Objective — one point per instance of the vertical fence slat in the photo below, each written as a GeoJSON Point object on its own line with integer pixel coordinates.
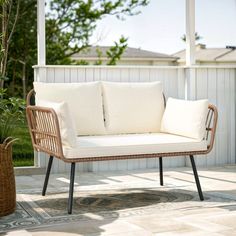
{"type": "Point", "coordinates": [228, 116]}
{"type": "Point", "coordinates": [50, 76]}
{"type": "Point", "coordinates": [212, 96]}
{"type": "Point", "coordinates": [81, 75]}
{"type": "Point", "coordinates": [89, 74]}
{"type": "Point", "coordinates": [181, 83]}
{"type": "Point", "coordinates": [221, 132]}
{"type": "Point", "coordinates": [167, 91]}
{"type": "Point", "coordinates": [73, 75]}
{"type": "Point", "coordinates": [67, 75]}
{"type": "Point", "coordinates": [201, 88]}
{"type": "Point", "coordinates": [232, 115]}
{"type": "Point", "coordinates": [59, 75]}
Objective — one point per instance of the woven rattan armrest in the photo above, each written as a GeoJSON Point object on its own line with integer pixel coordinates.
{"type": "Point", "coordinates": [44, 130]}
{"type": "Point", "coordinates": [211, 123]}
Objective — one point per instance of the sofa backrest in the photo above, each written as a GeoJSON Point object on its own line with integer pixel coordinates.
{"type": "Point", "coordinates": [133, 107]}
{"type": "Point", "coordinates": [84, 101]}
{"type": "Point", "coordinates": [108, 107]}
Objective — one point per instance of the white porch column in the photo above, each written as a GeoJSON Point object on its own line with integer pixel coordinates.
{"type": "Point", "coordinates": [41, 47]}
{"type": "Point", "coordinates": [190, 32]}
{"type": "Point", "coordinates": [190, 72]}
{"type": "Point", "coordinates": [190, 80]}
{"type": "Point", "coordinates": [41, 41]}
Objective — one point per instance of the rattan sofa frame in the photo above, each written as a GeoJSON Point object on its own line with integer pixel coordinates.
{"type": "Point", "coordinates": [43, 125]}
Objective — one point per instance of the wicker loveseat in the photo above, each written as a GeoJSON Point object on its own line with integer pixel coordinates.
{"type": "Point", "coordinates": [100, 121]}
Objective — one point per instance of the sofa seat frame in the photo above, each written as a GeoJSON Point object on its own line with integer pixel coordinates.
{"type": "Point", "coordinates": [45, 135]}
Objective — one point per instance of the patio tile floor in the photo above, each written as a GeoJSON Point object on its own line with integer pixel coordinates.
{"type": "Point", "coordinates": [193, 219]}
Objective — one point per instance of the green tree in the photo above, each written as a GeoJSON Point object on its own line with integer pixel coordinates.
{"type": "Point", "coordinates": [23, 49]}
{"type": "Point", "coordinates": [9, 14]}
{"type": "Point", "coordinates": [115, 52]}
{"type": "Point", "coordinates": [70, 24]}
{"type": "Point", "coordinates": [18, 43]}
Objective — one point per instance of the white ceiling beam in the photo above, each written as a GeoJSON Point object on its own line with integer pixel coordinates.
{"type": "Point", "coordinates": [190, 33]}
{"type": "Point", "coordinates": [41, 41]}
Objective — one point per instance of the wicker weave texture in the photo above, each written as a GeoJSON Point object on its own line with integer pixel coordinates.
{"type": "Point", "coordinates": [44, 130]}
{"type": "Point", "coordinates": [7, 181]}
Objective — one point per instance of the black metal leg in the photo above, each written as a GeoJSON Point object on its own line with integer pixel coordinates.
{"type": "Point", "coordinates": [47, 176]}
{"type": "Point", "coordinates": [161, 171]}
{"type": "Point", "coordinates": [196, 178]}
{"type": "Point", "coordinates": [71, 191]}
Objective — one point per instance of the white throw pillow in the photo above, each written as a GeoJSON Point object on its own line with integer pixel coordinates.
{"type": "Point", "coordinates": [66, 123]}
{"type": "Point", "coordinates": [186, 118]}
{"type": "Point", "coordinates": [84, 101]}
{"type": "Point", "coordinates": [133, 107]}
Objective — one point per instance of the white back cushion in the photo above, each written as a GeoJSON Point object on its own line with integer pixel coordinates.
{"type": "Point", "coordinates": [66, 123]}
{"type": "Point", "coordinates": [84, 101]}
{"type": "Point", "coordinates": [133, 107]}
{"type": "Point", "coordinates": [186, 118]}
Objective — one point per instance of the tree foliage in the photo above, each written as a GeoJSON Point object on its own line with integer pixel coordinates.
{"type": "Point", "coordinates": [23, 49]}
{"type": "Point", "coordinates": [70, 24]}
{"type": "Point", "coordinates": [9, 15]}
{"type": "Point", "coordinates": [18, 43]}
{"type": "Point", "coordinates": [69, 27]}
{"type": "Point", "coordinates": [11, 115]}
{"type": "Point", "coordinates": [115, 52]}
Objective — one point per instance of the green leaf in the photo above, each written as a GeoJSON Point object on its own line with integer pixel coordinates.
{"type": "Point", "coordinates": [5, 78]}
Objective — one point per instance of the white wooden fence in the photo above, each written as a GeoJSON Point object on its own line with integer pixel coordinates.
{"type": "Point", "coordinates": [215, 83]}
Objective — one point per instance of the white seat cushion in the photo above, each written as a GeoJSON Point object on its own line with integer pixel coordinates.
{"type": "Point", "coordinates": [112, 145]}
{"type": "Point", "coordinates": [133, 107]}
{"type": "Point", "coordinates": [84, 101]}
{"type": "Point", "coordinates": [186, 118]}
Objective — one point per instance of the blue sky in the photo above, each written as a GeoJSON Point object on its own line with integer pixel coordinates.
{"type": "Point", "coordinates": [162, 23]}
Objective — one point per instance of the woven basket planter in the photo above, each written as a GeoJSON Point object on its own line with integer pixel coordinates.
{"type": "Point", "coordinates": [7, 181]}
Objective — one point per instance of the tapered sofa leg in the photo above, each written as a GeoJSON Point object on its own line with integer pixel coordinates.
{"type": "Point", "coordinates": [196, 178]}
{"type": "Point", "coordinates": [47, 176]}
{"type": "Point", "coordinates": [161, 171]}
{"type": "Point", "coordinates": [71, 190]}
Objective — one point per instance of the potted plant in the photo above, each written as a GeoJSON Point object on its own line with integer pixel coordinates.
{"type": "Point", "coordinates": [11, 115]}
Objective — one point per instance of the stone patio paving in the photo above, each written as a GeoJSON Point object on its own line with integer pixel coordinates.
{"type": "Point", "coordinates": [182, 215]}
